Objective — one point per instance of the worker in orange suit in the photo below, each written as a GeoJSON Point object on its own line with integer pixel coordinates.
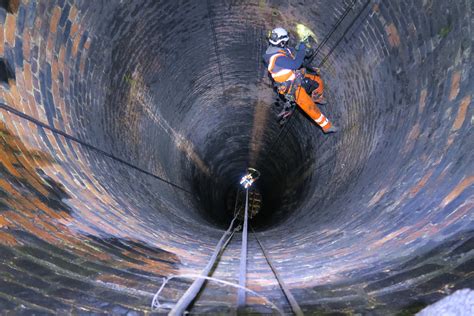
{"type": "Point", "coordinates": [301, 85]}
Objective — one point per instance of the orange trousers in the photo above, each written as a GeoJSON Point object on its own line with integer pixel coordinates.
{"type": "Point", "coordinates": [306, 103]}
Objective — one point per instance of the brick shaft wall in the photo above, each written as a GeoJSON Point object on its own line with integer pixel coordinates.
{"type": "Point", "coordinates": [374, 219]}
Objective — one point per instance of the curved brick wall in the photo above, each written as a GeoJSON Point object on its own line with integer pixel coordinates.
{"type": "Point", "coordinates": [377, 218]}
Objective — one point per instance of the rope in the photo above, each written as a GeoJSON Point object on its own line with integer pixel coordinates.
{"type": "Point", "coordinates": [335, 27]}
{"type": "Point", "coordinates": [216, 47]}
{"type": "Point", "coordinates": [194, 289]}
{"type": "Point", "coordinates": [156, 303]}
{"type": "Point", "coordinates": [318, 49]}
{"type": "Point", "coordinates": [236, 201]}
{"type": "Point", "coordinates": [291, 299]}
{"type": "Point", "coordinates": [83, 143]}
{"type": "Point", "coordinates": [344, 34]}
{"type": "Point", "coordinates": [285, 128]}
{"type": "Point", "coordinates": [243, 256]}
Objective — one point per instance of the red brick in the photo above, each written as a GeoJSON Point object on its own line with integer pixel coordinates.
{"type": "Point", "coordinates": [33, 106]}
{"type": "Point", "coordinates": [54, 70]}
{"type": "Point", "coordinates": [392, 33]}
{"type": "Point", "coordinates": [1, 40]}
{"type": "Point", "coordinates": [55, 91]}
{"type": "Point", "coordinates": [454, 85]}
{"type": "Point", "coordinates": [75, 45]}
{"type": "Point", "coordinates": [74, 29]}
{"type": "Point", "coordinates": [15, 95]}
{"type": "Point", "coordinates": [7, 239]}
{"type": "Point", "coordinates": [54, 19]}
{"type": "Point", "coordinates": [8, 96]}
{"type": "Point", "coordinates": [10, 29]}
{"type": "Point", "coordinates": [422, 103]}
{"type": "Point", "coordinates": [461, 116]}
{"type": "Point", "coordinates": [49, 47]}
{"type": "Point", "coordinates": [463, 185]}
{"type": "Point", "coordinates": [62, 55]}
{"type": "Point", "coordinates": [72, 13]}
{"type": "Point", "coordinates": [87, 44]}
{"type": "Point", "coordinates": [27, 75]}
{"type": "Point", "coordinates": [26, 45]}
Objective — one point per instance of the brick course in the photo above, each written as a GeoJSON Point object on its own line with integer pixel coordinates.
{"type": "Point", "coordinates": [374, 219]}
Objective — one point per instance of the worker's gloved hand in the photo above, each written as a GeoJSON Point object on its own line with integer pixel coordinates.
{"type": "Point", "coordinates": [308, 41]}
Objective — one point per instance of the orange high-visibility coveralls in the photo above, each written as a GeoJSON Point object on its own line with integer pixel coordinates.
{"type": "Point", "coordinates": [306, 103]}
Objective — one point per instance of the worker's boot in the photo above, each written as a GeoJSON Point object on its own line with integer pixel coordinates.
{"type": "Point", "coordinates": [332, 129]}
{"type": "Point", "coordinates": [318, 98]}
{"type": "Point", "coordinates": [316, 70]}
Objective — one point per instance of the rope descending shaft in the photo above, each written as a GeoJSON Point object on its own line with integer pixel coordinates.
{"type": "Point", "coordinates": [291, 299]}
{"type": "Point", "coordinates": [194, 289]}
{"type": "Point", "coordinates": [85, 144]}
{"type": "Point", "coordinates": [241, 295]}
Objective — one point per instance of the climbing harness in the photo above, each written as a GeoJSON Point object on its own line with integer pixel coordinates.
{"type": "Point", "coordinates": [316, 52]}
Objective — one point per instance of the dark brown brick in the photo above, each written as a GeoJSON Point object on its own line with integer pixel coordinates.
{"type": "Point", "coordinates": [13, 6]}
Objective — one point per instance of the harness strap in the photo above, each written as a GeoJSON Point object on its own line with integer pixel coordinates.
{"type": "Point", "coordinates": [271, 63]}
{"type": "Point", "coordinates": [282, 75]}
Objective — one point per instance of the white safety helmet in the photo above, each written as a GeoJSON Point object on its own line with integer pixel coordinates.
{"type": "Point", "coordinates": [278, 36]}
